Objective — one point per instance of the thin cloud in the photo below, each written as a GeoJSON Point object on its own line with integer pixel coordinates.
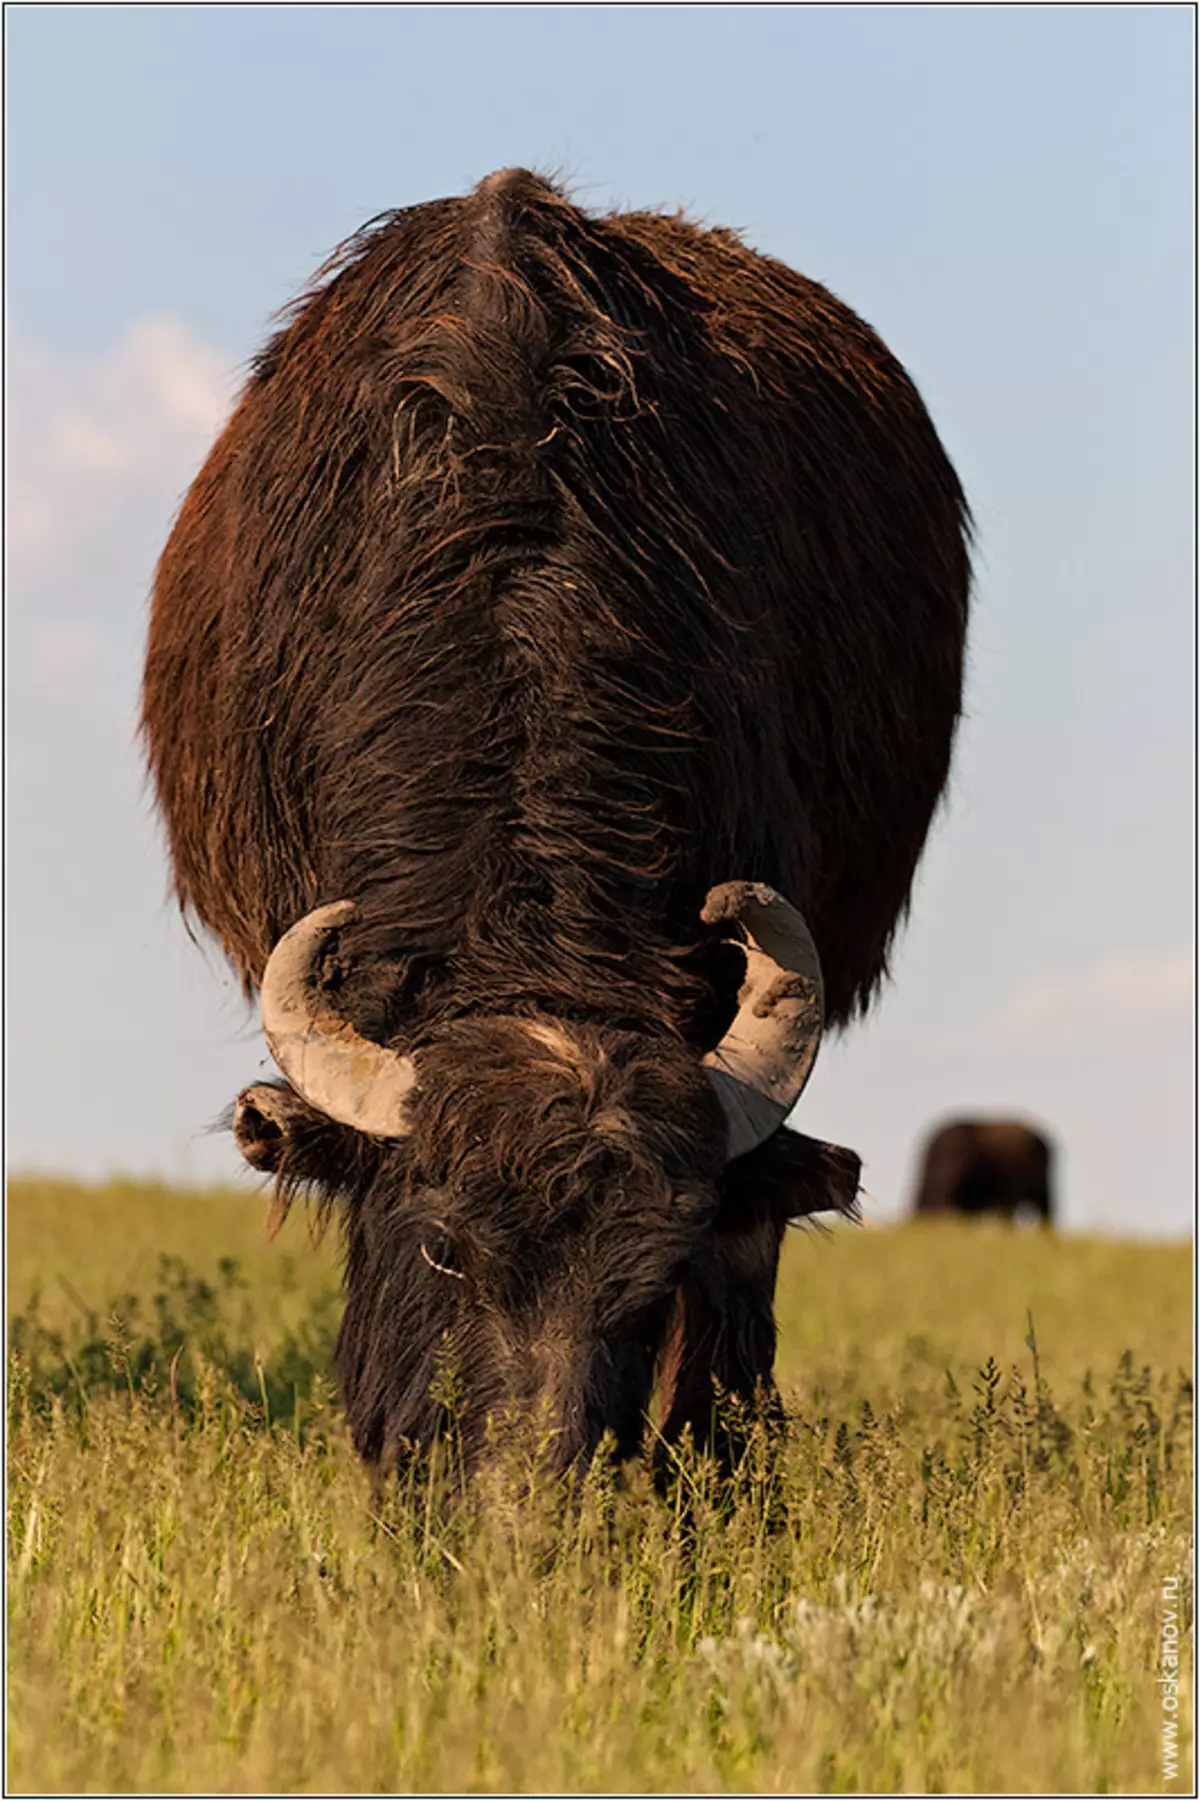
{"type": "Point", "coordinates": [91, 437]}
{"type": "Point", "coordinates": [1121, 991]}
{"type": "Point", "coordinates": [100, 450]}
{"type": "Point", "coordinates": [67, 649]}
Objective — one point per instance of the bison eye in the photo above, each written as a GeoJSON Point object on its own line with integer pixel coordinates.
{"type": "Point", "coordinates": [437, 1249]}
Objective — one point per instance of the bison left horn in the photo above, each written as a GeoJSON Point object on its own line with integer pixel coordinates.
{"type": "Point", "coordinates": [760, 1067]}
{"type": "Point", "coordinates": [334, 1068]}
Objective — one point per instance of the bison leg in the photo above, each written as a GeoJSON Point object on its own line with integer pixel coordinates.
{"type": "Point", "coordinates": [722, 1338]}
{"type": "Point", "coordinates": [722, 1331]}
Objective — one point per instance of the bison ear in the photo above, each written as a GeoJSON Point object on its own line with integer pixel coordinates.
{"type": "Point", "coordinates": [790, 1177]}
{"type": "Point", "coordinates": [272, 1125]}
{"type": "Point", "coordinates": [824, 1178]}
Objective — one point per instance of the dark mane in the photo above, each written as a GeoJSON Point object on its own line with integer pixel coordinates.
{"type": "Point", "coordinates": [564, 674]}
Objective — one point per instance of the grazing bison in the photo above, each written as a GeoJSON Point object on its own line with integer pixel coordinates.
{"type": "Point", "coordinates": [986, 1166]}
{"type": "Point", "coordinates": [552, 674]}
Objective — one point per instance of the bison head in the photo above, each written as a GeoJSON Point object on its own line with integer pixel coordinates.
{"type": "Point", "coordinates": [524, 1196]}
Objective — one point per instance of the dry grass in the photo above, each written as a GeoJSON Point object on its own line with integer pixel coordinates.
{"type": "Point", "coordinates": [947, 1576]}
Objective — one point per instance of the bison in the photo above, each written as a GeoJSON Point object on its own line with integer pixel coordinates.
{"type": "Point", "coordinates": [551, 676]}
{"type": "Point", "coordinates": [998, 1166]}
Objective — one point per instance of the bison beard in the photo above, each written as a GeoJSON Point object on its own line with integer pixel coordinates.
{"type": "Point", "coordinates": [552, 572]}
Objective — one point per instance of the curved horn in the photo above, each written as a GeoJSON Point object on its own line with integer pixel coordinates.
{"type": "Point", "coordinates": [336, 1070]}
{"type": "Point", "coordinates": [761, 1065]}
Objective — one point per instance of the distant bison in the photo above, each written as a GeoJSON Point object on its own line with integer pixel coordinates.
{"type": "Point", "coordinates": [998, 1166]}
{"type": "Point", "coordinates": [552, 674]}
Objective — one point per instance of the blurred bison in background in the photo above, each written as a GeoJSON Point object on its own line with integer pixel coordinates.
{"type": "Point", "coordinates": [552, 674]}
{"type": "Point", "coordinates": [998, 1166]}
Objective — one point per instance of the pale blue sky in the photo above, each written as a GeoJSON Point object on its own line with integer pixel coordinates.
{"type": "Point", "coordinates": [1006, 194]}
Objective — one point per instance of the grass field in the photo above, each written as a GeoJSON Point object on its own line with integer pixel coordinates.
{"type": "Point", "coordinates": [947, 1575]}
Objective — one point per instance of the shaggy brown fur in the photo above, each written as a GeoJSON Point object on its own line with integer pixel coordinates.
{"type": "Point", "coordinates": [551, 570]}
{"type": "Point", "coordinates": [986, 1166]}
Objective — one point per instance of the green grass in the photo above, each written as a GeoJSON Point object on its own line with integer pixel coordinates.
{"type": "Point", "coordinates": [947, 1574]}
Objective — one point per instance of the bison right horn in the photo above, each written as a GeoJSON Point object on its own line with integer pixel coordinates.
{"type": "Point", "coordinates": [334, 1068]}
{"type": "Point", "coordinates": [760, 1067]}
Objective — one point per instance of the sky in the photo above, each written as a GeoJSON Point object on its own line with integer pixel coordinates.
{"type": "Point", "coordinates": [1004, 193]}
